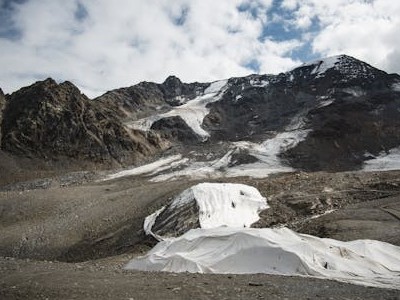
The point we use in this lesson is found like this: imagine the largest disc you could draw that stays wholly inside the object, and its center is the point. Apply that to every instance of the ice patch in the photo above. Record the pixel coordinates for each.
(162, 164)
(396, 87)
(267, 153)
(215, 87)
(324, 103)
(259, 83)
(384, 162)
(354, 91)
(192, 112)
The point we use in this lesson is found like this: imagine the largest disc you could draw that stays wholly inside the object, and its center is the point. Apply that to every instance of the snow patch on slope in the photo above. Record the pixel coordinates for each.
(321, 66)
(275, 251)
(192, 112)
(384, 162)
(257, 82)
(267, 153)
(157, 166)
(396, 87)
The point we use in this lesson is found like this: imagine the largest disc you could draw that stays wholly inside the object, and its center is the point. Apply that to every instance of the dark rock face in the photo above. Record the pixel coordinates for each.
(248, 110)
(351, 109)
(176, 220)
(138, 101)
(49, 120)
(147, 98)
(347, 131)
(176, 92)
(175, 128)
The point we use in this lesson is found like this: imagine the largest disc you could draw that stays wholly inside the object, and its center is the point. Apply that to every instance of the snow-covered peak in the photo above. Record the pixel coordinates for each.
(322, 65)
(349, 67)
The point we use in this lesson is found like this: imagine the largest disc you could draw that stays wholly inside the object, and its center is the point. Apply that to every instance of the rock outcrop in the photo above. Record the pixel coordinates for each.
(147, 98)
(51, 120)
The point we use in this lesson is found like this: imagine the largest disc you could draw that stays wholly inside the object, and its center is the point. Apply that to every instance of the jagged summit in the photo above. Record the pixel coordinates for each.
(172, 80)
(342, 68)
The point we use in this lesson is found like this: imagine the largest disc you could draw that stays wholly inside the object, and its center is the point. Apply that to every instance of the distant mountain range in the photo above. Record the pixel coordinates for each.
(331, 114)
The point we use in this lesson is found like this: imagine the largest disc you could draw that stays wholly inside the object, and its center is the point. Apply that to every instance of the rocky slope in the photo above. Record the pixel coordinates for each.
(147, 98)
(50, 120)
(349, 107)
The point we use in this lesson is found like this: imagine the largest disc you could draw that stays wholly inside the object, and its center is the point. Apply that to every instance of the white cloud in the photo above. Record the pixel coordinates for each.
(122, 42)
(368, 30)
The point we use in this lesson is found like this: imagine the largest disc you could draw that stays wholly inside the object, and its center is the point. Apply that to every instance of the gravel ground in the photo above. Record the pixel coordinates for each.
(21, 279)
(96, 228)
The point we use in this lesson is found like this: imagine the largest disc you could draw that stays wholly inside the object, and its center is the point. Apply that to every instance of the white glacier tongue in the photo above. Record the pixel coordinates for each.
(225, 250)
(192, 112)
(267, 154)
(157, 166)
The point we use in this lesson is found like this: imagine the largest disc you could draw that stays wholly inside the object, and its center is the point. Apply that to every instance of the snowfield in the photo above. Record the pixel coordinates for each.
(192, 112)
(384, 162)
(157, 166)
(267, 153)
(321, 66)
(224, 244)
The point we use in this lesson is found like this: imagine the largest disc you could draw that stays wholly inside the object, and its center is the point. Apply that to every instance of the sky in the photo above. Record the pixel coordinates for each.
(101, 45)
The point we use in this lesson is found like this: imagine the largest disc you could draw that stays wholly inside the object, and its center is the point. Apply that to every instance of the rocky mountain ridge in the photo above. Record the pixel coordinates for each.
(50, 120)
(330, 114)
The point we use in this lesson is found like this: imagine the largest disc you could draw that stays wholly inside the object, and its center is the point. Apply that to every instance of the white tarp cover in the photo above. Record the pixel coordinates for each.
(224, 246)
(275, 251)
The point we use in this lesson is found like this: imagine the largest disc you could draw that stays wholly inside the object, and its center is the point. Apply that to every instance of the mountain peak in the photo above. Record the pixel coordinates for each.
(344, 66)
(172, 81)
